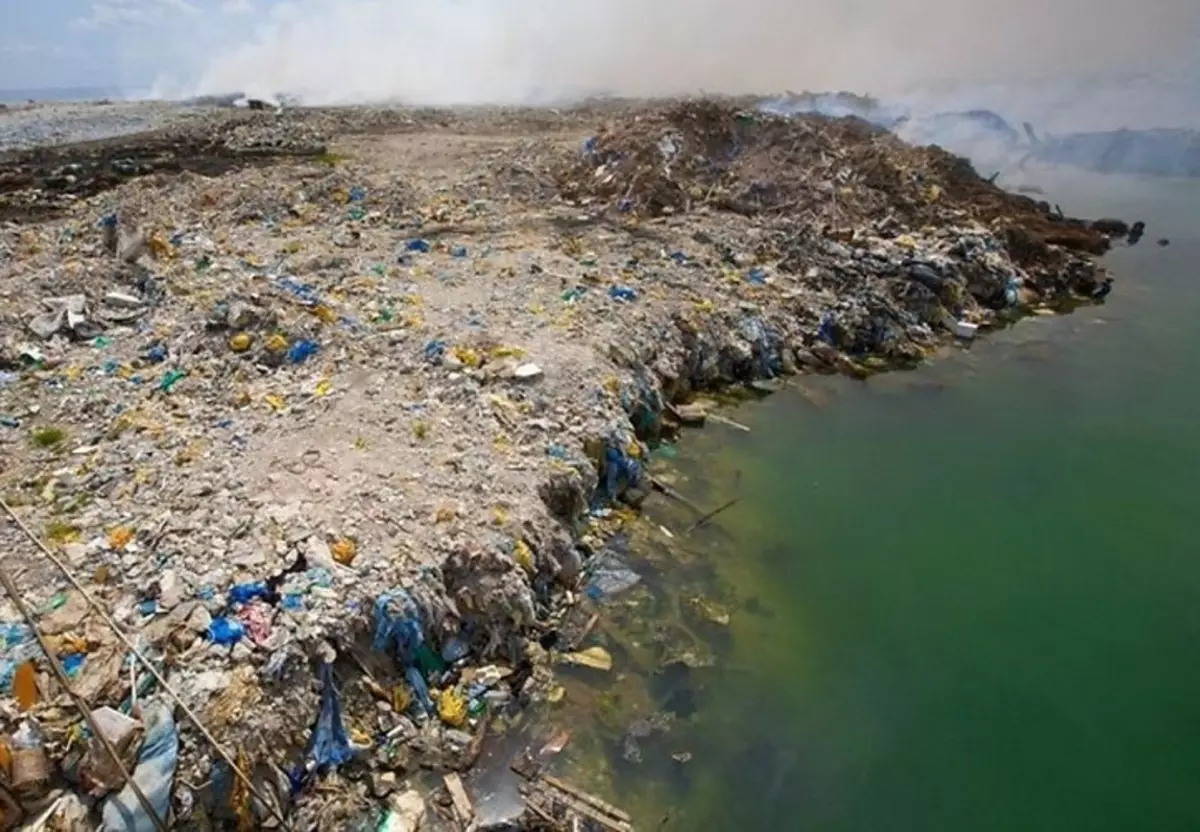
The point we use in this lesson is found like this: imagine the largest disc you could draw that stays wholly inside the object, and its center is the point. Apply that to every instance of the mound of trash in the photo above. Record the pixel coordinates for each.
(807, 169)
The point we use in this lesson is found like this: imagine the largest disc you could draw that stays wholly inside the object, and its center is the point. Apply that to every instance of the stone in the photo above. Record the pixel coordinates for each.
(170, 590)
(406, 813)
(384, 783)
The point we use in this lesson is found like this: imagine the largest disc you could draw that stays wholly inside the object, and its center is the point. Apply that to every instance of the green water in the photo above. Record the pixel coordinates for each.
(966, 597)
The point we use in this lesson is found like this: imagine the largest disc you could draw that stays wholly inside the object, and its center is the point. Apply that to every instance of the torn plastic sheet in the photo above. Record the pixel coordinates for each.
(609, 575)
(329, 746)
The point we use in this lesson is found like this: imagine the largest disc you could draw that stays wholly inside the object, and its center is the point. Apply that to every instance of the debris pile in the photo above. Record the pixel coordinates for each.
(325, 453)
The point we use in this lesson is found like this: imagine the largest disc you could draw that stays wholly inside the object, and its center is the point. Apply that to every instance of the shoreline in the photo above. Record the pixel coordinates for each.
(499, 332)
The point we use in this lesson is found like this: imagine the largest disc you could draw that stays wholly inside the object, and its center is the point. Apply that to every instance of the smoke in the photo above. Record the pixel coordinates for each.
(443, 52)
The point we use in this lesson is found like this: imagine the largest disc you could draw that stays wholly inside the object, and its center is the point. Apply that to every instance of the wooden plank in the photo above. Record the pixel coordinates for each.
(458, 794)
(595, 802)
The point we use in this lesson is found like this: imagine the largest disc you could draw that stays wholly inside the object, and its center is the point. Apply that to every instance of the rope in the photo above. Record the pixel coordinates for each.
(11, 589)
(270, 806)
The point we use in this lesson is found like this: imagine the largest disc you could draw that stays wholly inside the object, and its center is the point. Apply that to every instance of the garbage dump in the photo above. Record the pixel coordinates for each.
(310, 462)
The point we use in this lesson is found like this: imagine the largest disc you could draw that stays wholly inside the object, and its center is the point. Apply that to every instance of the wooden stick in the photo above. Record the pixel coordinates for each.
(590, 812)
(704, 520)
(717, 417)
(663, 488)
(596, 802)
(458, 794)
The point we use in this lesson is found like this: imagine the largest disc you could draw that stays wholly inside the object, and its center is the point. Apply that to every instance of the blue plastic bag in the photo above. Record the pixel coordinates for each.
(329, 747)
(398, 625)
(303, 350)
(226, 631)
(245, 593)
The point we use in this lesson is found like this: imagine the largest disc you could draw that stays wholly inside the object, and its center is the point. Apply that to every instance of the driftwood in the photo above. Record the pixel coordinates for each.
(562, 806)
(710, 515)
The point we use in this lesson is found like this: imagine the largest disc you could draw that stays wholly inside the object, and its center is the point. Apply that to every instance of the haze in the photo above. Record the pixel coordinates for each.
(539, 51)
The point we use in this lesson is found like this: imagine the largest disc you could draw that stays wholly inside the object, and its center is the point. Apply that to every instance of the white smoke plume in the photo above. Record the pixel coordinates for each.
(442, 52)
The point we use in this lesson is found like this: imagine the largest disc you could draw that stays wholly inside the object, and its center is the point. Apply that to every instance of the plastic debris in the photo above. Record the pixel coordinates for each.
(245, 593)
(301, 351)
(344, 551)
(226, 631)
(622, 293)
(452, 708)
(171, 379)
(24, 686)
(609, 576)
(596, 658)
(154, 774)
(328, 747)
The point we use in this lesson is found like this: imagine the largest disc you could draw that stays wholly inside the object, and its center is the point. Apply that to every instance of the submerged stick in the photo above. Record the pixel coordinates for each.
(663, 488)
(706, 518)
(716, 417)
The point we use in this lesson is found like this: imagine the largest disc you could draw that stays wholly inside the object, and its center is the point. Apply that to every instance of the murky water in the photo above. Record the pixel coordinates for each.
(966, 597)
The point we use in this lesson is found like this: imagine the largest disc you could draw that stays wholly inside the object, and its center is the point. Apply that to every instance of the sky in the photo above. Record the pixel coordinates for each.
(539, 51)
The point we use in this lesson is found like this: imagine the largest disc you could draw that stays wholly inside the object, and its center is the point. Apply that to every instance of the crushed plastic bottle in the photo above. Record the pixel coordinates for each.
(624, 294)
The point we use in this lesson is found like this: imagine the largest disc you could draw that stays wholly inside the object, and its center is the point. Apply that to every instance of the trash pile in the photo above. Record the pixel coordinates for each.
(325, 453)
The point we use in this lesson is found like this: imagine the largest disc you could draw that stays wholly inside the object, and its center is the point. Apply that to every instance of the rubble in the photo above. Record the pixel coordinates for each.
(339, 441)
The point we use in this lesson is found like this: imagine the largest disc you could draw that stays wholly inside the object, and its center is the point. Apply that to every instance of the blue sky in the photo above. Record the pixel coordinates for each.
(127, 43)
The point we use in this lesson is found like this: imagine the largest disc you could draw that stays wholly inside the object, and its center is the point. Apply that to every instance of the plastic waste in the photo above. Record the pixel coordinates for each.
(156, 354)
(455, 648)
(301, 291)
(826, 330)
(329, 747)
(458, 251)
(358, 194)
(154, 774)
(30, 765)
(226, 631)
(245, 593)
(452, 708)
(399, 627)
(1012, 291)
(757, 277)
(624, 294)
(417, 244)
(620, 471)
(303, 350)
(609, 575)
(434, 350)
(171, 379)
(256, 618)
(72, 663)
